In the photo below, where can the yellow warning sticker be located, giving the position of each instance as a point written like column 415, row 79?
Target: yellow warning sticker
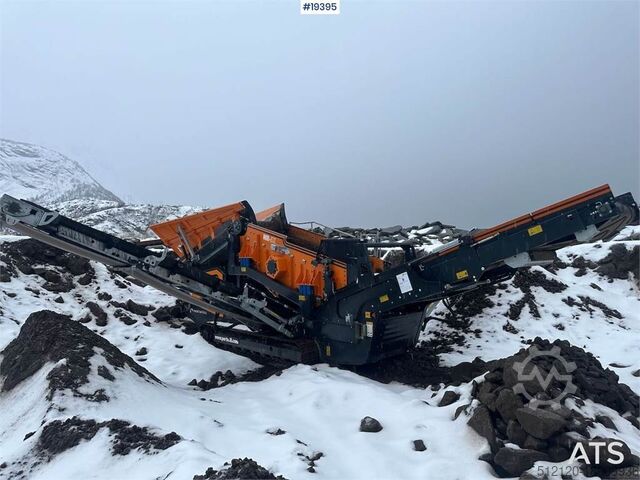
column 462, row 274
column 367, row 314
column 302, row 298
column 243, row 269
column 327, row 350
column 535, row 230
column 384, row 298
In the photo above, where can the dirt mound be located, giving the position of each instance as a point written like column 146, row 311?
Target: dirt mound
column 59, row 436
column 517, row 406
column 239, row 468
column 25, row 255
column 50, row 337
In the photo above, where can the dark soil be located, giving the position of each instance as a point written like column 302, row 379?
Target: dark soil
column 239, row 468
column 49, row 337
column 59, row 436
column 420, row 368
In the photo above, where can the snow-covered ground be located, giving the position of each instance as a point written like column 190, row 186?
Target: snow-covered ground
column 318, row 407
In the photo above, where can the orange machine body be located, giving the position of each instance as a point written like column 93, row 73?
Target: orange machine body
column 277, row 256
column 289, row 258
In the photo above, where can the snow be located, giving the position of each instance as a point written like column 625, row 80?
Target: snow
column 320, row 405
column 37, row 173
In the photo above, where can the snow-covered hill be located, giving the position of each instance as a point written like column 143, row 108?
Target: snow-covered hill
column 57, row 182
column 128, row 221
column 112, row 421
column 45, row 176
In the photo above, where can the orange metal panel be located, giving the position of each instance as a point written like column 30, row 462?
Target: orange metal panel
column 265, row 214
column 295, row 265
column 543, row 212
column 196, row 227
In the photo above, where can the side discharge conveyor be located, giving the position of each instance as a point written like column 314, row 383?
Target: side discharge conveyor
column 257, row 285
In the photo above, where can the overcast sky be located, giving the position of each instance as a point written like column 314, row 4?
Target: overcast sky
column 392, row 112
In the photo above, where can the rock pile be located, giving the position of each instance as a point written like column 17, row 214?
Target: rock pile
column 49, row 337
column 239, row 468
column 620, row 263
column 30, row 257
column 58, row 436
column 515, row 406
column 425, row 234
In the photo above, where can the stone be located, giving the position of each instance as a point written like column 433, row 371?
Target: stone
column 448, row 398
column 59, row 299
column 419, row 446
column 558, row 454
column 459, row 410
column 487, row 396
column 516, row 461
column 541, row 424
column 507, row 403
column 482, row 424
column 606, row 421
column 370, row 425
column 104, row 296
column 533, row 443
column 632, row 419
column 126, row 319
column 85, row 279
column 98, row 312
column 515, row 433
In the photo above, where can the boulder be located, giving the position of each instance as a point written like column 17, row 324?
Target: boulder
column 515, row 433
column 516, row 461
column 481, row 422
column 507, row 403
column 370, row 425
column 533, row 443
column 558, row 454
column 448, row 398
column 541, row 424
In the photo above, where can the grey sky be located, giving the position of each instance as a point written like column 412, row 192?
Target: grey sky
column 392, row 112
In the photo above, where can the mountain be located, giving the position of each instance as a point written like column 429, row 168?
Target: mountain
column 57, row 182
column 45, row 176
column 128, row 221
